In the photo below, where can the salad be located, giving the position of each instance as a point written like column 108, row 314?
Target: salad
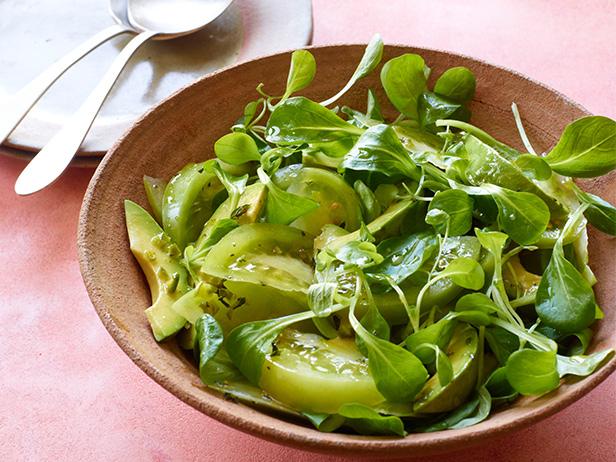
column 378, row 276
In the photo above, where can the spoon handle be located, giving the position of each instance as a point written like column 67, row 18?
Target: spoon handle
column 56, row 155
column 15, row 107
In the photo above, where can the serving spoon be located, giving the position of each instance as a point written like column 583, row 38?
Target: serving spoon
column 153, row 19
column 14, row 108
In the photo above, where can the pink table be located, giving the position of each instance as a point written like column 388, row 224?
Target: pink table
column 67, row 392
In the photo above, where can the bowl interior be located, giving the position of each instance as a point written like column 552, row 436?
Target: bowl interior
column 183, row 129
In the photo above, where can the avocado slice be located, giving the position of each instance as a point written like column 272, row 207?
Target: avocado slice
column 462, row 352
column 159, row 260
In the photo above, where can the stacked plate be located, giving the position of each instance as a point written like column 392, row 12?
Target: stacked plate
column 37, row 32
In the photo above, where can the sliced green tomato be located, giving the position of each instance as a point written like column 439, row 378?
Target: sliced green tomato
column 154, row 191
column 159, row 261
column 311, row 374
column 462, row 352
column 188, row 201
column 339, row 204
column 266, row 254
column 247, row 211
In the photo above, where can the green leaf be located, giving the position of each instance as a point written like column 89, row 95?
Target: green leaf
column 481, row 413
column 380, row 150
column 533, row 166
column 373, row 109
column 522, row 215
column 283, row 207
column 464, row 272
column 459, row 206
column 374, row 323
column 397, row 373
column 371, row 58
column 444, row 370
column 457, row 83
column 586, row 149
column 325, row 422
column 236, row 148
column 432, row 107
column 532, row 372
column 564, row 300
column 438, row 334
column 403, row 256
column 209, row 341
column 404, row 80
column 476, row 302
column 299, row 120
column 580, row 365
column 249, row 343
column 502, row 343
column 367, row 421
column 474, row 317
column 370, row 207
column 493, row 241
column 321, row 297
column 496, row 165
column 235, row 185
column 499, row 388
column 600, row 213
column 154, row 191
column 220, row 229
column 301, row 73
column 362, row 254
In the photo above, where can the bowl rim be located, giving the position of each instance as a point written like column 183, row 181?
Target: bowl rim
column 294, row 435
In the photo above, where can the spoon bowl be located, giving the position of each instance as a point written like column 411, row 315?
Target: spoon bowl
column 174, row 18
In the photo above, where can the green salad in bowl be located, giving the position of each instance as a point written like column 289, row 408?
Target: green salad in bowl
column 378, row 276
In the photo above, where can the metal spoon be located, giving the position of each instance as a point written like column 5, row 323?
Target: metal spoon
column 157, row 19
column 14, row 108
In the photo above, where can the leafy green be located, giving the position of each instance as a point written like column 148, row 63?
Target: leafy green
column 522, row 215
column 397, row 373
column 438, row 334
column 458, row 206
column 235, row 185
column 432, row 107
column 476, row 302
column 209, row 341
column 470, row 413
column 367, row 421
column 236, row 148
column 533, row 166
column 464, row 272
column 370, row 207
column 404, row 80
column 371, row 58
column 362, row 254
column 379, row 150
column 403, row 256
column 587, row 148
column 532, row 372
column 283, row 207
column 600, row 213
column 373, row 109
column 301, row 73
column 581, row 365
column 299, row 120
column 456, row 83
column 249, row 343
column 502, row 343
column 564, row 300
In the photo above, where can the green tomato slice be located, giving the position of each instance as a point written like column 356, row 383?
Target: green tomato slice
column 312, row 374
column 462, row 352
column 264, row 254
column 339, row 204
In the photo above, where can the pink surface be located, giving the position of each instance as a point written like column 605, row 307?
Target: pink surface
column 67, row 392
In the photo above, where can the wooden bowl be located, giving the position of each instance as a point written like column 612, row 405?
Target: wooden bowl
column 183, row 129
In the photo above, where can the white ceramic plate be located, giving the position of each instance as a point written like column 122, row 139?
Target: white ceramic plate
column 36, row 32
